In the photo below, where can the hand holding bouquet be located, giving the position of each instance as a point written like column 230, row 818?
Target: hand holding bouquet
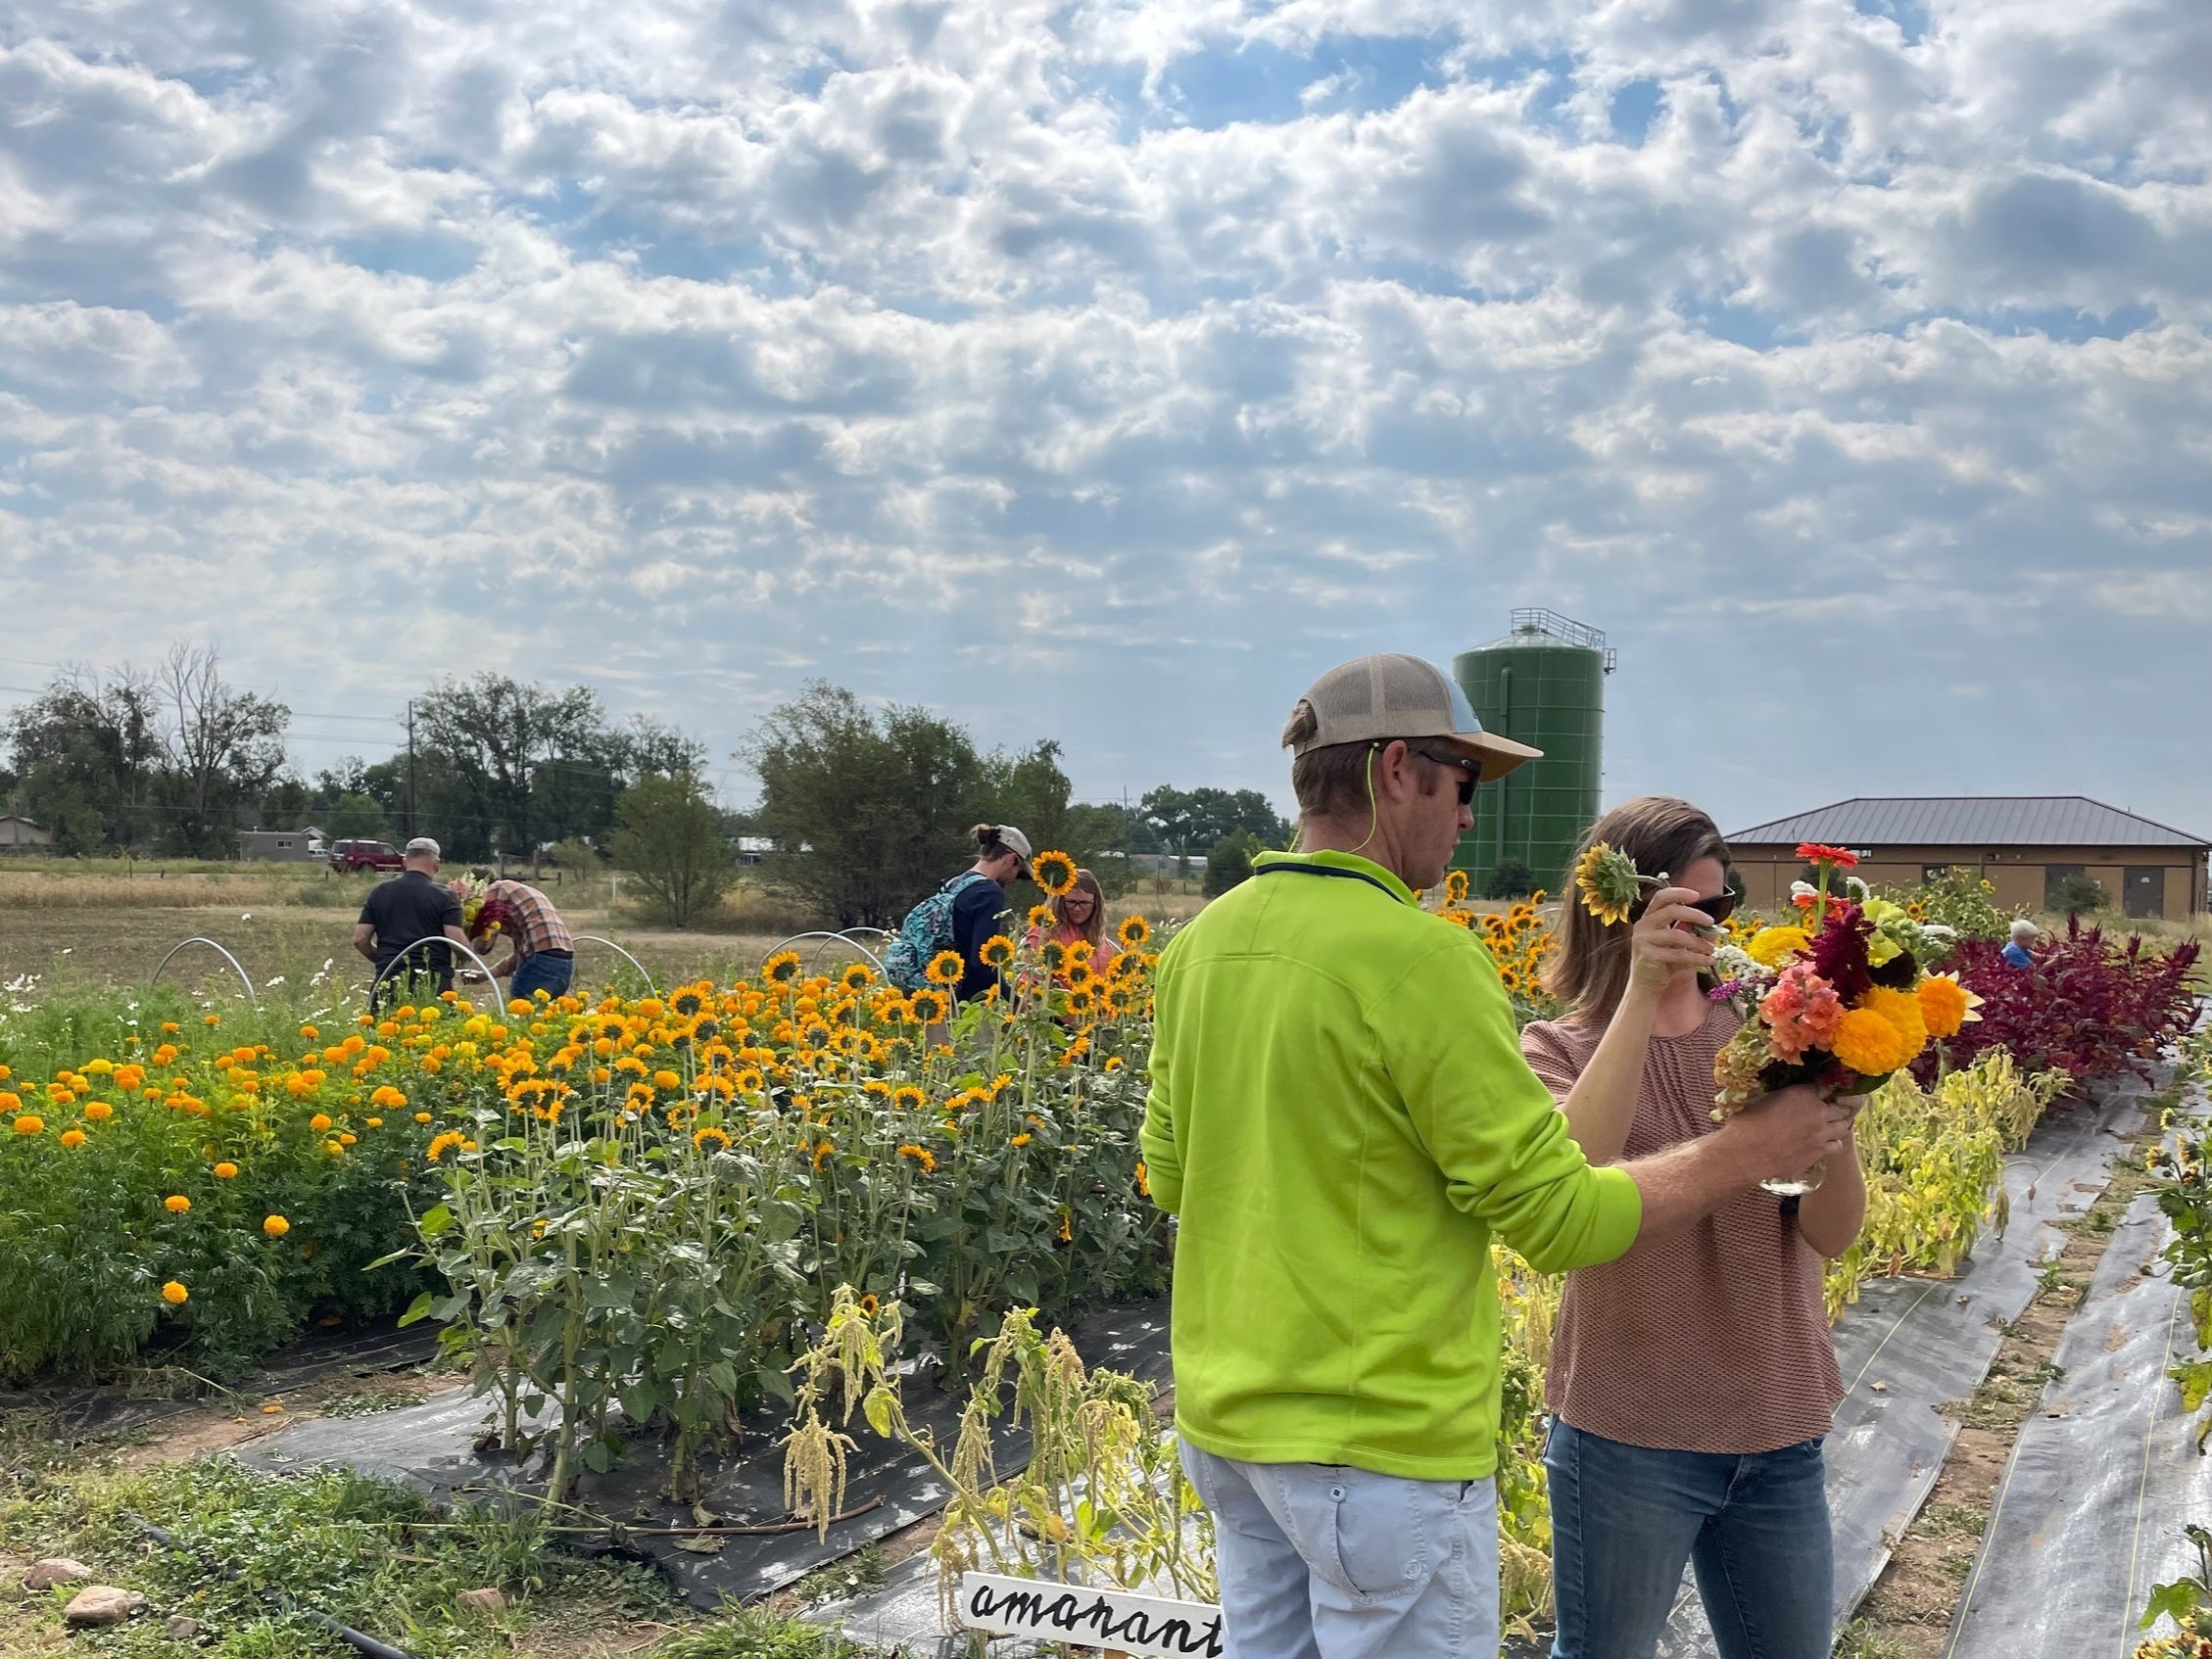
column 1837, row 1002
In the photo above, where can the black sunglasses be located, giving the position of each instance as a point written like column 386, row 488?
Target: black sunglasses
column 1721, row 907
column 1469, row 772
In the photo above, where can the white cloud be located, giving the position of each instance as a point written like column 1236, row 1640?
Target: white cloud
column 1118, row 365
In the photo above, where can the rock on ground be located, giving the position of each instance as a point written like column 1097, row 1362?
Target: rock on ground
column 55, row 1570
column 103, row 1604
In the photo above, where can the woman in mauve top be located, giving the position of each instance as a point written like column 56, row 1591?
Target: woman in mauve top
column 1692, row 1380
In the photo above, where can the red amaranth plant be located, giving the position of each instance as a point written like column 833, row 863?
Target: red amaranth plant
column 2089, row 1008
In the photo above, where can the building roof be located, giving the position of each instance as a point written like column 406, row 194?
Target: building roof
column 1961, row 821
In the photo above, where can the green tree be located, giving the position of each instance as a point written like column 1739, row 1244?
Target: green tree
column 1183, row 821
column 665, row 835
column 86, row 753
column 1510, row 878
column 355, row 818
column 2077, row 894
column 868, row 810
column 222, row 753
column 1229, row 862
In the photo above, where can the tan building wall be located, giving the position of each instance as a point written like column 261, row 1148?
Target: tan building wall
column 2017, row 873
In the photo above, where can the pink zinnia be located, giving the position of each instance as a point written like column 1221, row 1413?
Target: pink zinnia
column 1802, row 1011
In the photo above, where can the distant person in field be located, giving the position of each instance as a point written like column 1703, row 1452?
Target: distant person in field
column 962, row 916
column 542, row 955
column 1693, row 1380
column 1341, row 1123
column 1079, row 918
column 412, row 906
column 2016, row 949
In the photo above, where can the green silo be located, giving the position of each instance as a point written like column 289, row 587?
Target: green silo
column 1544, row 683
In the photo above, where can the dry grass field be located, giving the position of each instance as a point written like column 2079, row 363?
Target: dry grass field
column 108, row 925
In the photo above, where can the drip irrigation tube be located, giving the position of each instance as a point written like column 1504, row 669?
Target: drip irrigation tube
column 346, row 1633
column 236, row 967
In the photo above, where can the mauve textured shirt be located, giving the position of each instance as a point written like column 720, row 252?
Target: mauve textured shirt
column 1712, row 1337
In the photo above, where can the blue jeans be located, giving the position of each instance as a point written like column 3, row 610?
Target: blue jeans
column 1625, row 1519
column 547, row 973
column 1320, row 1561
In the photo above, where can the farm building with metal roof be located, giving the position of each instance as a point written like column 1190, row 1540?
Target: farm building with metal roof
column 2025, row 845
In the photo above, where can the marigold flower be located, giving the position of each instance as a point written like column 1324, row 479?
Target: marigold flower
column 1770, row 947
column 226, row 1171
column 73, row 1138
column 422, row 1117
column 320, row 1122
column 30, row 1123
column 177, row 1204
column 174, row 1294
column 1022, row 1140
column 276, row 1226
column 1945, row 1005
column 1871, row 1045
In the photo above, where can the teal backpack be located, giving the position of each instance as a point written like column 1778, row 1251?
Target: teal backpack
column 927, row 931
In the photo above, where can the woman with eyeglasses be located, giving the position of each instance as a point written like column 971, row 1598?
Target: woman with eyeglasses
column 1078, row 917
column 1693, row 1380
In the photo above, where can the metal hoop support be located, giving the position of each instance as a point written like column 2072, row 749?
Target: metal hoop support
column 385, row 972
column 644, row 971
column 243, row 979
column 823, row 937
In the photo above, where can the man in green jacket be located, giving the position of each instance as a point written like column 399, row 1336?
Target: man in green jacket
column 1341, row 1121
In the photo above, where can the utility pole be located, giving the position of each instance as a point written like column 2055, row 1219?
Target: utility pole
column 410, row 814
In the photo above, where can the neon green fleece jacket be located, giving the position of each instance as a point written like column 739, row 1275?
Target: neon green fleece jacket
column 1340, row 1118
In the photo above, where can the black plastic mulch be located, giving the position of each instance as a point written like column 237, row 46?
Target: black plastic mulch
column 1908, row 1347
column 432, row 1447
column 81, row 1410
column 2088, row 1514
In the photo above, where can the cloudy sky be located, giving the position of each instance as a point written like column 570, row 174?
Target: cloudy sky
column 1103, row 369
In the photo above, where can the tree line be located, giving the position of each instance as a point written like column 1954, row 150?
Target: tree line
column 864, row 807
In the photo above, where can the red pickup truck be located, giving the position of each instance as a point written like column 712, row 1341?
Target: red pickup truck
column 366, row 855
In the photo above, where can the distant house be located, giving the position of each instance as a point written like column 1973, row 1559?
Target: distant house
column 21, row 834
column 2025, row 846
column 284, row 847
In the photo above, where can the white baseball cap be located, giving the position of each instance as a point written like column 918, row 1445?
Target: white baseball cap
column 422, row 846
column 1014, row 842
column 1389, row 695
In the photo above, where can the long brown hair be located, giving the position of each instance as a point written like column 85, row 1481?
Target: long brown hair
column 1589, row 970
column 1095, row 930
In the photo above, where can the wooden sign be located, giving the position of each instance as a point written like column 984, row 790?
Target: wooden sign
column 1144, row 1626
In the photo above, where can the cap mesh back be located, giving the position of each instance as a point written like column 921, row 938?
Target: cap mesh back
column 1409, row 686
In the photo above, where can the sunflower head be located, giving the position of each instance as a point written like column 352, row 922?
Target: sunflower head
column 909, row 1097
column 1608, row 883
column 996, row 952
column 1133, row 931
column 928, row 1006
column 711, row 1136
column 945, row 969
column 782, row 969
column 1055, row 956
column 856, row 977
column 688, row 1003
column 1055, row 872
column 1455, row 887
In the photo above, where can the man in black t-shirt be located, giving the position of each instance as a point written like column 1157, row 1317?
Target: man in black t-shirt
column 410, row 907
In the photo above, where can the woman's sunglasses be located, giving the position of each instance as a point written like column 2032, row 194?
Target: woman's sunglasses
column 1721, row 907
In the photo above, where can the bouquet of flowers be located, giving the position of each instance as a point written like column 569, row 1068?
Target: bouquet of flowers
column 472, row 896
column 1839, row 1000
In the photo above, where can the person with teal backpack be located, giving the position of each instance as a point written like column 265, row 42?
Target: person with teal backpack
column 962, row 914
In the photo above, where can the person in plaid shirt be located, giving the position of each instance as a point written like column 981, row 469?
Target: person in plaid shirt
column 543, row 956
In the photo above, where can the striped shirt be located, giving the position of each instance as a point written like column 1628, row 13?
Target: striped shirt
column 1710, row 1338
column 528, row 917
